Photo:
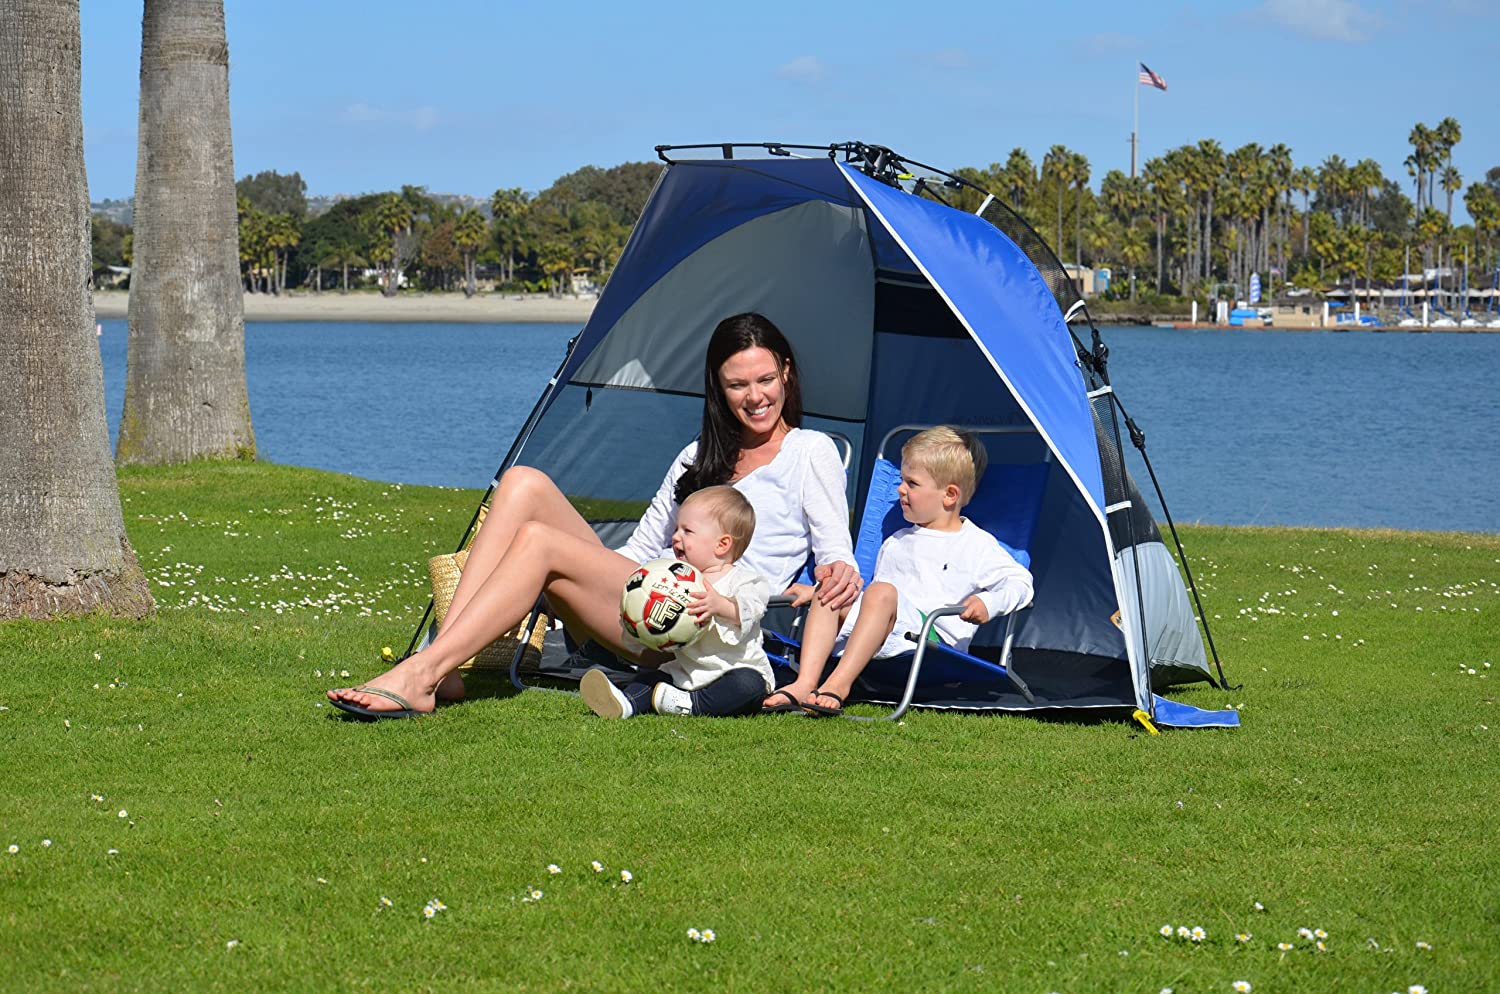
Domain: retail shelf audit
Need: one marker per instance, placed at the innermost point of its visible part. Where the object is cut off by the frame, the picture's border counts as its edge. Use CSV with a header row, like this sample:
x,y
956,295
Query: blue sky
x,y
465,97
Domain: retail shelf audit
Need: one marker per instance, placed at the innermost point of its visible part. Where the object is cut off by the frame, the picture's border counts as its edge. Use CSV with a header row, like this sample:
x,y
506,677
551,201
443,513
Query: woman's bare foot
x,y
451,688
405,679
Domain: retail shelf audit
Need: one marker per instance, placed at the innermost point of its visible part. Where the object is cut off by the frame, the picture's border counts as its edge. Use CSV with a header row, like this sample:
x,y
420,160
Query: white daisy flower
x,y
1285,946
694,934
46,843
1166,931
1423,945
123,814
1416,989
231,943
536,895
13,849
626,876
553,868
112,852
1183,932
708,936
385,902
1198,935
429,911
1305,933
1242,986
598,867
1258,906
1243,937
1321,948
1318,932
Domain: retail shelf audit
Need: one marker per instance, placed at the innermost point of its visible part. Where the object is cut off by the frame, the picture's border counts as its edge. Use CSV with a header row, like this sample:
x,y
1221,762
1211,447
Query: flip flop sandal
x,y
368,714
791,706
823,711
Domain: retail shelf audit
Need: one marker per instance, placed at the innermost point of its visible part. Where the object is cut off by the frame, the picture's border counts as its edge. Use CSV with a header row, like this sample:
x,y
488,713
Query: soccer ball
x,y
653,607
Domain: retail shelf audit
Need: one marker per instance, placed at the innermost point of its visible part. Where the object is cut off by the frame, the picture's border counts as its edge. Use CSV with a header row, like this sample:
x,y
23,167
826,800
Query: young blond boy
x,y
943,558
725,670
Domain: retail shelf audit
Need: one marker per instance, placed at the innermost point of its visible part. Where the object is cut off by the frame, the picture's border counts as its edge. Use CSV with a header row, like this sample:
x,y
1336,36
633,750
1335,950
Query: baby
x,y
725,670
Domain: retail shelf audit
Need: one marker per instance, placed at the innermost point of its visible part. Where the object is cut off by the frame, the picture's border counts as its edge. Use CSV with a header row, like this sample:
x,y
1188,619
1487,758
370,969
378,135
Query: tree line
x,y
1195,218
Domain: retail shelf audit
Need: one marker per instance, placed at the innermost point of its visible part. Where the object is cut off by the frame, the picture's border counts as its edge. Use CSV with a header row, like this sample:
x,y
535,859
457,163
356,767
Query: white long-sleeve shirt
x,y
932,569
799,502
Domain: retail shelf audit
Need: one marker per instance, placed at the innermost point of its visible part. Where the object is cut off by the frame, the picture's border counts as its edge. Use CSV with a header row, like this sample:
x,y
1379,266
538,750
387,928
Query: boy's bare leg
x,y
877,618
819,632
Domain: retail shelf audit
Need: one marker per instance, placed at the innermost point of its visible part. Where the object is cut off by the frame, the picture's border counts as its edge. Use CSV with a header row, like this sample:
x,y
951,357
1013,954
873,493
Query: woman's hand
x,y
839,585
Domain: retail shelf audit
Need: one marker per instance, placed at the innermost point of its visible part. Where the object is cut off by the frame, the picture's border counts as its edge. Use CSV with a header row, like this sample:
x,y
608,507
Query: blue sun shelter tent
x,y
902,310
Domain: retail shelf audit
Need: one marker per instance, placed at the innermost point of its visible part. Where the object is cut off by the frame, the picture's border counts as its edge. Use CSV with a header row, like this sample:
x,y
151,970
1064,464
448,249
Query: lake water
x,y
1358,429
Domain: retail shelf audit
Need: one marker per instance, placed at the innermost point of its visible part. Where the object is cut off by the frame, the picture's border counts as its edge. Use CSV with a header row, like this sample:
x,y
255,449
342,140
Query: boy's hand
x,y
801,593
711,604
974,611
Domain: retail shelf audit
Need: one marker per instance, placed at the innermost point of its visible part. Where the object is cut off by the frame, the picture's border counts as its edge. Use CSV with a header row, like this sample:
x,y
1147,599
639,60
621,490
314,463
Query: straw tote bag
x,y
445,571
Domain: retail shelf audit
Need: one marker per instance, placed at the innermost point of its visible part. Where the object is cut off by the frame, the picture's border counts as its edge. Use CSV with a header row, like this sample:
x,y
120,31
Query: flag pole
x,y
1136,129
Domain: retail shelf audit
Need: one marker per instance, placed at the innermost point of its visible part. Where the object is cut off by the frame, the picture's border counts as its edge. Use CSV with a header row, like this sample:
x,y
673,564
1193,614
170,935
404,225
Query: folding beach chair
x,y
1007,503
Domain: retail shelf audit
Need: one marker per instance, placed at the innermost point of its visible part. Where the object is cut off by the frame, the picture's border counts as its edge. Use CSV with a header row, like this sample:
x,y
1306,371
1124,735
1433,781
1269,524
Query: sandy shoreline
x,y
434,307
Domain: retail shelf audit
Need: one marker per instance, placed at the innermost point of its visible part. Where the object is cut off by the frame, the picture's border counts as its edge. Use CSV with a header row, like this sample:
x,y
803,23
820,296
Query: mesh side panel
x,y
1017,230
1135,526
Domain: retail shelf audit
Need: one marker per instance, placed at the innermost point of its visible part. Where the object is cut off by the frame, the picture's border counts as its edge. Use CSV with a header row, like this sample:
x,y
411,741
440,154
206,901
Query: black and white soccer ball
x,y
654,604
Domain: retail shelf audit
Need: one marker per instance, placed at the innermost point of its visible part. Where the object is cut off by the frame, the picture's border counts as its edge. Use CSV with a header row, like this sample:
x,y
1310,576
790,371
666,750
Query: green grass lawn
x,y
213,826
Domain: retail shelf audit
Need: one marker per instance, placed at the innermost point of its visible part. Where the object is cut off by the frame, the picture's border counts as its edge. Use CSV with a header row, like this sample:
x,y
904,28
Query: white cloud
x,y
1321,20
803,69
423,118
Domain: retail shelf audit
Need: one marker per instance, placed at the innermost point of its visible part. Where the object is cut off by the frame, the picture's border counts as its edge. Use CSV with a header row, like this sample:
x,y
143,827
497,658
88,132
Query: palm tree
x,y
1447,134
1078,174
1452,183
185,395
1304,181
509,206
1019,176
63,548
469,234
1423,141
1057,165
394,218
1211,165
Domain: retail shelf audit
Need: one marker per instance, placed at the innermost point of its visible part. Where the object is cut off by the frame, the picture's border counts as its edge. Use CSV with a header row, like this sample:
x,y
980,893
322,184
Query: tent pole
x,y
1101,366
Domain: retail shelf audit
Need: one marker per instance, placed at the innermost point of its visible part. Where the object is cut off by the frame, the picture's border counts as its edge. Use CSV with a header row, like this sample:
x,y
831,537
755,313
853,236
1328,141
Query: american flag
x,y
1149,78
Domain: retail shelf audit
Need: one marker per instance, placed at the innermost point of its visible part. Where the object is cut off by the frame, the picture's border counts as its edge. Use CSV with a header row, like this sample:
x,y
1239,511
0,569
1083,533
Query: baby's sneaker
x,y
603,697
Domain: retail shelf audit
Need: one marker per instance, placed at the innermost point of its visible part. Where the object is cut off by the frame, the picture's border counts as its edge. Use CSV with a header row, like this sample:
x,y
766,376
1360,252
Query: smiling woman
x,y
534,543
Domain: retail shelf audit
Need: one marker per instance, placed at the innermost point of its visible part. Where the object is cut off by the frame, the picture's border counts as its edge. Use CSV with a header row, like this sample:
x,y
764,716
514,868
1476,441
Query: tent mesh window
x,y
1063,288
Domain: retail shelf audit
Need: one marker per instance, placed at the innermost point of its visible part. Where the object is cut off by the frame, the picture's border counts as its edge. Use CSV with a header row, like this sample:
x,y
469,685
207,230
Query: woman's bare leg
x,y
523,495
819,632
576,572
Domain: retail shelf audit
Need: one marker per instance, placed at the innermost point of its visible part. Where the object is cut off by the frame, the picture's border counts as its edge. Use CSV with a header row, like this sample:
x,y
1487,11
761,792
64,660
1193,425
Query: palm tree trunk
x,y
63,548
185,395
345,288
